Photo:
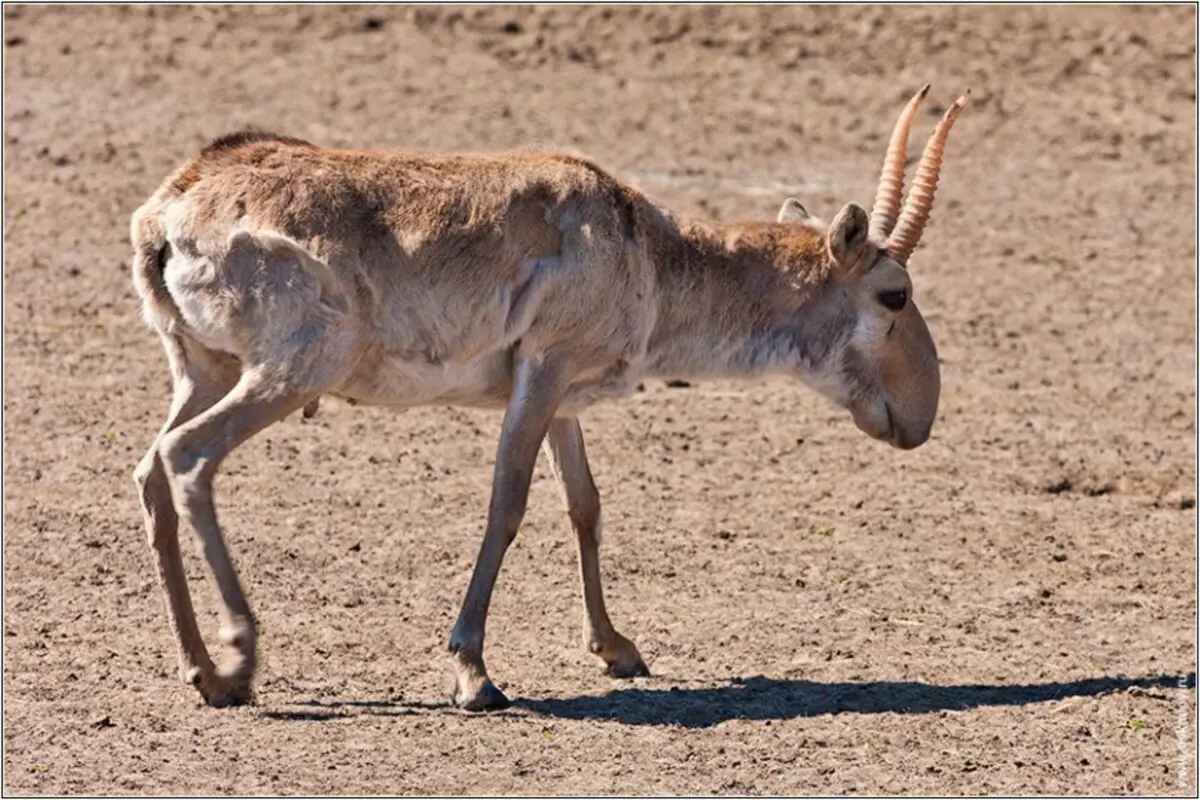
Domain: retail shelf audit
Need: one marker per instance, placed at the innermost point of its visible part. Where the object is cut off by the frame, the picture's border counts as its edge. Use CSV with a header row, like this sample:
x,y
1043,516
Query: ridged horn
x,y
907,234
891,179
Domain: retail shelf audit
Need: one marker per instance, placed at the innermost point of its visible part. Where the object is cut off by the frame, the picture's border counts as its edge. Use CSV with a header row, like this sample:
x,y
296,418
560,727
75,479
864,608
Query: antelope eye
x,y
894,300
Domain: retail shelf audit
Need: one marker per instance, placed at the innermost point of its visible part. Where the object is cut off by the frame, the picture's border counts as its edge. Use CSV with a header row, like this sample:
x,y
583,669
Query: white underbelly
x,y
407,382
485,382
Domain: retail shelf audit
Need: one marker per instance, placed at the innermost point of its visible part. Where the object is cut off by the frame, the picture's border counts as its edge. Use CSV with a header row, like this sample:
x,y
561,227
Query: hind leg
x,y
191,454
568,460
198,384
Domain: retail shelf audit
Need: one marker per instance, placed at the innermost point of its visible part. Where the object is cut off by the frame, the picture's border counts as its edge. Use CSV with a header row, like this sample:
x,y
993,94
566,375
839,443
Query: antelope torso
x,y
434,266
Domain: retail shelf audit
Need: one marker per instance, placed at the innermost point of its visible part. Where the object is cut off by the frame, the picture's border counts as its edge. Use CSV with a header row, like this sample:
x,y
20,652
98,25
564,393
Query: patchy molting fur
x,y
423,271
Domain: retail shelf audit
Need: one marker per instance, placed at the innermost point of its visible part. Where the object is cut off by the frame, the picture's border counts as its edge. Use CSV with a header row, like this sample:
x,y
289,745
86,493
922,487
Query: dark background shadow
x,y
756,698
761,698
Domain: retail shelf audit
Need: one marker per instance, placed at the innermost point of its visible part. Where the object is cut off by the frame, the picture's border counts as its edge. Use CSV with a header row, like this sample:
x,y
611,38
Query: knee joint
x,y
142,473
180,459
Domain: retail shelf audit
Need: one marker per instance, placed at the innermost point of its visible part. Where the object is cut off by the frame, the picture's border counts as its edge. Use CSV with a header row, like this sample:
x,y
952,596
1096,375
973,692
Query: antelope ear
x,y
847,235
792,211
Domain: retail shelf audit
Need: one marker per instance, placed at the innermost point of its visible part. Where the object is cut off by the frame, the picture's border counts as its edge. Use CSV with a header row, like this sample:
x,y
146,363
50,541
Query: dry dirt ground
x,y
1009,608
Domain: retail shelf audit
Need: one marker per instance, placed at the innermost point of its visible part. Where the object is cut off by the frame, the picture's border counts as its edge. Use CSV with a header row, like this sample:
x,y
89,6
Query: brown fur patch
x,y
801,253
232,141
188,178
223,146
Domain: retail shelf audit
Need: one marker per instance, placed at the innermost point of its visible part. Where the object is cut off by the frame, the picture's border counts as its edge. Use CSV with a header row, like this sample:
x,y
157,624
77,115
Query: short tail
x,y
149,261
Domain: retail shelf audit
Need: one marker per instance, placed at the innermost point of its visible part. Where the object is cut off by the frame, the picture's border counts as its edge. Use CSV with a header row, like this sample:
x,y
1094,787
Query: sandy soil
x,y
1009,608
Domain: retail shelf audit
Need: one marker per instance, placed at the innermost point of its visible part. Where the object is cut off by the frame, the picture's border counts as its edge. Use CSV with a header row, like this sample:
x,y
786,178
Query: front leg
x,y
538,387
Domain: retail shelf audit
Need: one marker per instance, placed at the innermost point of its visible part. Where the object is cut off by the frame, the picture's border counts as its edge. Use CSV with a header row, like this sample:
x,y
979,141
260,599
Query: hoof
x,y
240,695
621,657
221,690
637,669
483,697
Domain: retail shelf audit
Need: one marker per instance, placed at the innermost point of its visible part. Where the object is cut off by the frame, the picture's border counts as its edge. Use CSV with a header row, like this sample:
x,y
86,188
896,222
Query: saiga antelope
x,y
276,272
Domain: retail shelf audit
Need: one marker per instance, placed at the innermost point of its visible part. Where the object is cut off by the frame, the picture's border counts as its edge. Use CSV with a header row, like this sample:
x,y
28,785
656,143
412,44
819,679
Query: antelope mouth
x,y
902,438
876,420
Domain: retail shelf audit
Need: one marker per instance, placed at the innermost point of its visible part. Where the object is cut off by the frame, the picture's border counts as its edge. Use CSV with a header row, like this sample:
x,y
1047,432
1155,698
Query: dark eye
x,y
894,300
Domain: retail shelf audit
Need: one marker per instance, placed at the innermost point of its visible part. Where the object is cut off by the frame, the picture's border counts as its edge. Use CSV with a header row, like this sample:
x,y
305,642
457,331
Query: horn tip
x,y
957,106
924,91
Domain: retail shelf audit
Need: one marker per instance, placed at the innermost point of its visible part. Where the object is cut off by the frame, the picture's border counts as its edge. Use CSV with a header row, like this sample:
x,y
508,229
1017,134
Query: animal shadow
x,y
325,710
761,698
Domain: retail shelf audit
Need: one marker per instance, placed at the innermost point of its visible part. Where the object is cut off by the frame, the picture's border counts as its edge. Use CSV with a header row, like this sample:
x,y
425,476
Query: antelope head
x,y
884,366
